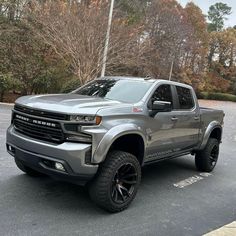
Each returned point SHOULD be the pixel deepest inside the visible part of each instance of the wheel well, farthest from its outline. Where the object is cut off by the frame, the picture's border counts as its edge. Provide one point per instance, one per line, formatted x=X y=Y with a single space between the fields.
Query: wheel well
x=131 y=143
x=216 y=133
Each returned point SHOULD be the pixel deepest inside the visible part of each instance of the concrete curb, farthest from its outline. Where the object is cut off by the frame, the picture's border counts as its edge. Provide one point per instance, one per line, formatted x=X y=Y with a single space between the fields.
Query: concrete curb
x=6 y=104
x=226 y=230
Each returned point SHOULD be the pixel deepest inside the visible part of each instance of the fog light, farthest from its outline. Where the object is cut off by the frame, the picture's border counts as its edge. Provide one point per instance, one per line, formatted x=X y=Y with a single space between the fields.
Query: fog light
x=11 y=149
x=59 y=166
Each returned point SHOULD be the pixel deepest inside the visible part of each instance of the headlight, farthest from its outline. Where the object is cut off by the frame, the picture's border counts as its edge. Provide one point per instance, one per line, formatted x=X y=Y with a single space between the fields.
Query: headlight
x=90 y=120
x=73 y=134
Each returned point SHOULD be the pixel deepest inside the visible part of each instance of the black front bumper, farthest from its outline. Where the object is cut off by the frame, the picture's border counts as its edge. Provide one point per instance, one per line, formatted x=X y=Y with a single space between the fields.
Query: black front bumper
x=45 y=165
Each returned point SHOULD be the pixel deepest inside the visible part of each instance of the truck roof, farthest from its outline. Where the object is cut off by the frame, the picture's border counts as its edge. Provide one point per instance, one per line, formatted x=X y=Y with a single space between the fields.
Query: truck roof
x=149 y=79
x=146 y=79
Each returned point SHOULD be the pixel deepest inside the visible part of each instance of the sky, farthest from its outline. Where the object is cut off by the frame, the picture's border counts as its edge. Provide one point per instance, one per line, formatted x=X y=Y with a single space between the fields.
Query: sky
x=205 y=4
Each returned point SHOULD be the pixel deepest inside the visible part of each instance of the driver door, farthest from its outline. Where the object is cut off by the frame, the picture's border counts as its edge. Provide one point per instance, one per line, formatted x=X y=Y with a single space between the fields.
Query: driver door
x=161 y=132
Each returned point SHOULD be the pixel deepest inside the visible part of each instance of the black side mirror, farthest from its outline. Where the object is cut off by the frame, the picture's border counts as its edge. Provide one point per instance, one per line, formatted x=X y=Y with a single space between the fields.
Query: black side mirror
x=161 y=106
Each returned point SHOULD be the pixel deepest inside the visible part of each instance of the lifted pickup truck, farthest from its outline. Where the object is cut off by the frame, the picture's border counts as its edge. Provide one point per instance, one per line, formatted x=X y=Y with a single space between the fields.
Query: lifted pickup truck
x=104 y=132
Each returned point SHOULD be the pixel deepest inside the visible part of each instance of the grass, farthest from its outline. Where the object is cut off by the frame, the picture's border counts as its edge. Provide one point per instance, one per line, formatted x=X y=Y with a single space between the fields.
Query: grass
x=217 y=96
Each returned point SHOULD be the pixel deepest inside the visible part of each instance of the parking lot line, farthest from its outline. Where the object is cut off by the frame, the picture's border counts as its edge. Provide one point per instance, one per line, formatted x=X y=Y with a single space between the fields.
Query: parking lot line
x=191 y=180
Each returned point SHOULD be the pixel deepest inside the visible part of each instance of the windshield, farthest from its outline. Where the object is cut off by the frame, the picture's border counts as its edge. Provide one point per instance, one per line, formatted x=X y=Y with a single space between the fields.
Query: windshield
x=129 y=91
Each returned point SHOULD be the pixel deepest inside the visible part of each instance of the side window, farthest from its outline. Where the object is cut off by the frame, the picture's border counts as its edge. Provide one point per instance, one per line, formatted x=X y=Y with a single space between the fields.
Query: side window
x=185 y=98
x=163 y=93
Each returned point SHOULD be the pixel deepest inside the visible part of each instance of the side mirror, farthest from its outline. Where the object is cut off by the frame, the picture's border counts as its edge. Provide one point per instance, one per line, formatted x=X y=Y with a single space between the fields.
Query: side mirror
x=161 y=106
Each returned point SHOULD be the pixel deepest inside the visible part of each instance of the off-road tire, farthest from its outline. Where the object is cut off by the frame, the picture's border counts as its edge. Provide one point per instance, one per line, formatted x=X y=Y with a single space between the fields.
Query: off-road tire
x=27 y=169
x=206 y=159
x=103 y=189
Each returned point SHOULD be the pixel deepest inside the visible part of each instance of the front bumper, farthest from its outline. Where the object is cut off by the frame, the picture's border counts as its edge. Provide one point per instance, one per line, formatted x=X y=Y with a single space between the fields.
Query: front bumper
x=35 y=153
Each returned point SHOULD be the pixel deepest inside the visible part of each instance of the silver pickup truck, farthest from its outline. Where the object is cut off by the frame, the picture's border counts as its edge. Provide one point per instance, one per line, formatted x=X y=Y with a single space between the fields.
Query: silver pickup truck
x=104 y=132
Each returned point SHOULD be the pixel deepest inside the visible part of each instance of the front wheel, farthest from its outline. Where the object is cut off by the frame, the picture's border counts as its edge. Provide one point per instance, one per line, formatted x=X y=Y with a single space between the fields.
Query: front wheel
x=206 y=159
x=117 y=182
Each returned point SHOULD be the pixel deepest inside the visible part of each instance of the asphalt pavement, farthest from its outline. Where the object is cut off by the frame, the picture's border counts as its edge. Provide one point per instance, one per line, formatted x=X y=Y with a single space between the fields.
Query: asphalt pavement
x=173 y=199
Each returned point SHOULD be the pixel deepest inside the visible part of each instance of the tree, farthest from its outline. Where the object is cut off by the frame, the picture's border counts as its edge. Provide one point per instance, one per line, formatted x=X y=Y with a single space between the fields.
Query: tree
x=78 y=35
x=133 y=10
x=34 y=65
x=50 y=46
x=195 y=57
x=217 y=14
x=168 y=33
x=213 y=82
x=223 y=57
x=6 y=83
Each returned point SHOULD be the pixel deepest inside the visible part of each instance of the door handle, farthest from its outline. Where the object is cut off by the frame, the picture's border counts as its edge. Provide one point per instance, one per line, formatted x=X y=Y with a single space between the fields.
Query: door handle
x=174 y=118
x=196 y=118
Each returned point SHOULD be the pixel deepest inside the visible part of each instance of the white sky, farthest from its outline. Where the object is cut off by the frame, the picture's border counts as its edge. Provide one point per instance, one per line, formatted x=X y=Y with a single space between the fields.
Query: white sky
x=205 y=4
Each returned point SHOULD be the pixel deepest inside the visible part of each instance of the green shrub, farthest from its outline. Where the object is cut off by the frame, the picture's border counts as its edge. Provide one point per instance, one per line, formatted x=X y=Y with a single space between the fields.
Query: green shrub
x=217 y=96
x=7 y=82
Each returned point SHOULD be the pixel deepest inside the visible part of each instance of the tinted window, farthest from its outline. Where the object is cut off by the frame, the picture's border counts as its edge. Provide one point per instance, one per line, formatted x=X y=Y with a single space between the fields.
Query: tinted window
x=185 y=98
x=163 y=93
x=124 y=90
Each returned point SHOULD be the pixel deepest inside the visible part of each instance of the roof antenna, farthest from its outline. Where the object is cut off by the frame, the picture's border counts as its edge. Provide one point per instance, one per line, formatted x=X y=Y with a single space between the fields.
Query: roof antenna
x=148 y=77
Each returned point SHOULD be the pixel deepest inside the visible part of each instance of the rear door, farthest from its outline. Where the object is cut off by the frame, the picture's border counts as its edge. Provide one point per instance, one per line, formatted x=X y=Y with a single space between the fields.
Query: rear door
x=186 y=119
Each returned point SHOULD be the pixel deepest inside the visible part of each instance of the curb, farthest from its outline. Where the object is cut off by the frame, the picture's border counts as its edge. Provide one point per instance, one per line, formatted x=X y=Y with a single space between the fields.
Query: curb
x=6 y=104
x=226 y=230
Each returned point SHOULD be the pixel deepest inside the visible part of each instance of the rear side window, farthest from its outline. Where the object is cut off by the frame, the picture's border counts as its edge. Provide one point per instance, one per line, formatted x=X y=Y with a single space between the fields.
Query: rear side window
x=185 y=98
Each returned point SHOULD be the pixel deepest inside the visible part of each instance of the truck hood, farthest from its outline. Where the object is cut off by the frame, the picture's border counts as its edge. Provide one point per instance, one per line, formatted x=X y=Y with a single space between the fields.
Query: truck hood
x=67 y=103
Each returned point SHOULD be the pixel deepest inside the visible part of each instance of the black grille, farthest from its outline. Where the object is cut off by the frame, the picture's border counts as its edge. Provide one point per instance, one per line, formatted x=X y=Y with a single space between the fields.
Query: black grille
x=38 y=128
x=41 y=113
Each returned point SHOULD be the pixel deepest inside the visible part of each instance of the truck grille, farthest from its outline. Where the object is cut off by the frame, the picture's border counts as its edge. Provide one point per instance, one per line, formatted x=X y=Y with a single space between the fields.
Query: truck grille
x=41 y=113
x=38 y=128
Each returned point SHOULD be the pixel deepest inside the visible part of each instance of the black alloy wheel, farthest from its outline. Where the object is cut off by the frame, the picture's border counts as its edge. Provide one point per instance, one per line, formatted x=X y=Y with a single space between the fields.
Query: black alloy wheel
x=123 y=183
x=214 y=155
x=117 y=181
x=206 y=159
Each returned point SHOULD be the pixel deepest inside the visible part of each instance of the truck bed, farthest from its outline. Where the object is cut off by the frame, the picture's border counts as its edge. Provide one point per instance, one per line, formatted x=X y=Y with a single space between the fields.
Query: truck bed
x=209 y=115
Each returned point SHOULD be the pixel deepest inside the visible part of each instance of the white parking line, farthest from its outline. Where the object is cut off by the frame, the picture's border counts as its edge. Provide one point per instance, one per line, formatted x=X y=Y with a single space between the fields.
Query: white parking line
x=191 y=180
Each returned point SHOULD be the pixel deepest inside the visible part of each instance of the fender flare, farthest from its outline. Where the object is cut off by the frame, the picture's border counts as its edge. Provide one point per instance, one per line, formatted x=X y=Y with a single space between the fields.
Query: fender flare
x=111 y=136
x=213 y=125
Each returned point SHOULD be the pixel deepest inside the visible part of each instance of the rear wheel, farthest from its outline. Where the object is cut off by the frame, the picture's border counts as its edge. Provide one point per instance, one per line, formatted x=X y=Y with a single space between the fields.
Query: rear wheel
x=27 y=169
x=206 y=159
x=117 y=182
